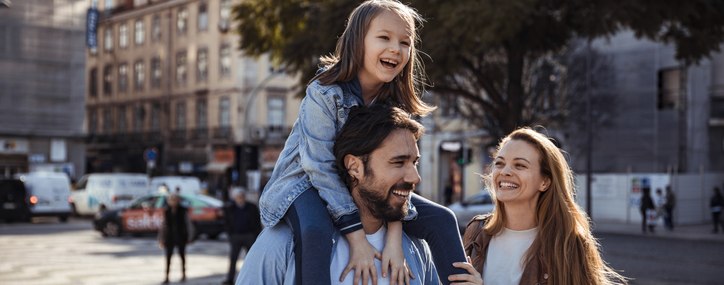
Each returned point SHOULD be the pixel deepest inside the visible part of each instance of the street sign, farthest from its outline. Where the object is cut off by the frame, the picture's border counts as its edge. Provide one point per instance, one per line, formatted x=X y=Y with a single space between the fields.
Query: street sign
x=150 y=154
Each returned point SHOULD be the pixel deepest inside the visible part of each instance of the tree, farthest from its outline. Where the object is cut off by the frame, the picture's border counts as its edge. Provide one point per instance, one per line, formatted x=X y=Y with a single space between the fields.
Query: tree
x=490 y=53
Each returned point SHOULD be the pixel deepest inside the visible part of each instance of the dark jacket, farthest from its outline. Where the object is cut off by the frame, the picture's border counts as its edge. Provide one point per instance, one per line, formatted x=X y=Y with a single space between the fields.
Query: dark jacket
x=244 y=220
x=646 y=203
x=476 y=243
x=176 y=228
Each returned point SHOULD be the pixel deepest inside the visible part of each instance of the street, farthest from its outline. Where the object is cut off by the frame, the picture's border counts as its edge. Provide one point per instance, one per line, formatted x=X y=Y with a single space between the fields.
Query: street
x=48 y=252
x=662 y=261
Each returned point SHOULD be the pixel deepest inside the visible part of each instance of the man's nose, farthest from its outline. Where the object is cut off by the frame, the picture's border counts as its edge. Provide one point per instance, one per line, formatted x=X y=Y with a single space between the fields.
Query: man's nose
x=412 y=176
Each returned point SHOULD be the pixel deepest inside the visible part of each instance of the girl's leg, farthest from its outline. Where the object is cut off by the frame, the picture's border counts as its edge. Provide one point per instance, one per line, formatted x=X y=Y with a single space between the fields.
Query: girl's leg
x=438 y=226
x=182 y=253
x=313 y=231
x=169 y=253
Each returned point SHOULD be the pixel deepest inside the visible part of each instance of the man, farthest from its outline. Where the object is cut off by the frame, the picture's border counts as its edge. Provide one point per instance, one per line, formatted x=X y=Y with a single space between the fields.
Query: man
x=669 y=208
x=376 y=155
x=243 y=225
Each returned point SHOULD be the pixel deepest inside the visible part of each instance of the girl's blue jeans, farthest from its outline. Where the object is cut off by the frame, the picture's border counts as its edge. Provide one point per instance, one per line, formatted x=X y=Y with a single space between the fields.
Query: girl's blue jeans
x=313 y=230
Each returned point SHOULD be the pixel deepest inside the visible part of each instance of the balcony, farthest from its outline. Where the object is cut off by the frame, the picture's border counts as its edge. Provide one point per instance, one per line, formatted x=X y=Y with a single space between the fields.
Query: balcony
x=221 y=133
x=179 y=135
x=200 y=134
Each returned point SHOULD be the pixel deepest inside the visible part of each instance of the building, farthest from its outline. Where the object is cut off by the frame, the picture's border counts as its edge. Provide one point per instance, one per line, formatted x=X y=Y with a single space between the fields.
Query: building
x=42 y=63
x=668 y=116
x=169 y=93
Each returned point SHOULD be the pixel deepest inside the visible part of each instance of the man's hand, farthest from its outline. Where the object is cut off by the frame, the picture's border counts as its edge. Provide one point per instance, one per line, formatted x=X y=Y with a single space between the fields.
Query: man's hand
x=361 y=259
x=393 y=258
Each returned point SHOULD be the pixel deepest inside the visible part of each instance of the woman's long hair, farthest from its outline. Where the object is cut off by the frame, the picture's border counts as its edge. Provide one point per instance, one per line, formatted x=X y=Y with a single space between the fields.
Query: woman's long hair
x=564 y=241
x=405 y=90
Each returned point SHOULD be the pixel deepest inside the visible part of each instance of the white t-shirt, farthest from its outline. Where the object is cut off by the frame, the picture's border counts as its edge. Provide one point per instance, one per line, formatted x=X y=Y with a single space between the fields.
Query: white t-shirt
x=340 y=259
x=504 y=262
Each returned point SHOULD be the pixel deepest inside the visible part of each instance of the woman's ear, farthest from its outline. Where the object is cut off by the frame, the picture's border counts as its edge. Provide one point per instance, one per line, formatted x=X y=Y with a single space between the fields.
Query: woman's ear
x=354 y=166
x=546 y=183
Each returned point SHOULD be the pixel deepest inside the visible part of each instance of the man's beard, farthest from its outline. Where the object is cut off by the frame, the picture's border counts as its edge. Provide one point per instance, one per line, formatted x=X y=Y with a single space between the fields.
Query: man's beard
x=378 y=204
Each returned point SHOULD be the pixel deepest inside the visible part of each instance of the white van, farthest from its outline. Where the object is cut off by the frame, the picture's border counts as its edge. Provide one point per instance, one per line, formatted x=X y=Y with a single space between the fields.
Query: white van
x=47 y=194
x=98 y=192
x=188 y=185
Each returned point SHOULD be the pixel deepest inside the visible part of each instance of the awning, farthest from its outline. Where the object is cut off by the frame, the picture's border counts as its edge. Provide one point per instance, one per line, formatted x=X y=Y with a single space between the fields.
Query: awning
x=217 y=167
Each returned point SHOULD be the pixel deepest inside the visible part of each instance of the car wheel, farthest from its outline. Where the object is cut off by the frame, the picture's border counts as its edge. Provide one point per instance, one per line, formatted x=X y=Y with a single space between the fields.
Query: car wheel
x=111 y=229
x=63 y=218
x=213 y=236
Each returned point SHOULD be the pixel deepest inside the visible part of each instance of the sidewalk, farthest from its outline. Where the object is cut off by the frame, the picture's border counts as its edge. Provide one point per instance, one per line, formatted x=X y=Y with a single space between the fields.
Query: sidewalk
x=701 y=232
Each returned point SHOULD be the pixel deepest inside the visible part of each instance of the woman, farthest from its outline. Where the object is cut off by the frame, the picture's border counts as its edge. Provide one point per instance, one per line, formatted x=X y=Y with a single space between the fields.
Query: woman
x=175 y=232
x=536 y=234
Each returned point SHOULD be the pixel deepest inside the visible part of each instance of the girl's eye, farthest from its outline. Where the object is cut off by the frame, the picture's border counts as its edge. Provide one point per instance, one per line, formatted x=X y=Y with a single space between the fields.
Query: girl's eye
x=405 y=43
x=498 y=163
x=384 y=37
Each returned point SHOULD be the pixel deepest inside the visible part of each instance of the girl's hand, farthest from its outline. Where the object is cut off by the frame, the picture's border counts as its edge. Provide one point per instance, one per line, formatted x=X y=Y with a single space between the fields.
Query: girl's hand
x=472 y=278
x=361 y=259
x=393 y=258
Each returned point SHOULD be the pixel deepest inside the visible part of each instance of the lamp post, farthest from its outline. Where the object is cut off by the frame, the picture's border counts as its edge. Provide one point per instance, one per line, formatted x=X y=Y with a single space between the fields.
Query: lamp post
x=245 y=151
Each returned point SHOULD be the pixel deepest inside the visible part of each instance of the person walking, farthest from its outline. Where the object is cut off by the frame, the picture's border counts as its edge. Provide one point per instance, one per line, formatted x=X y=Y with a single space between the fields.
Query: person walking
x=243 y=225
x=647 y=209
x=715 y=205
x=669 y=208
x=175 y=233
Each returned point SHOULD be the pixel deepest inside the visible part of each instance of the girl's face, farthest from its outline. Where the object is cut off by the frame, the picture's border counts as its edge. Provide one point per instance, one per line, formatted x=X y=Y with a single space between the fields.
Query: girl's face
x=387 y=46
x=517 y=174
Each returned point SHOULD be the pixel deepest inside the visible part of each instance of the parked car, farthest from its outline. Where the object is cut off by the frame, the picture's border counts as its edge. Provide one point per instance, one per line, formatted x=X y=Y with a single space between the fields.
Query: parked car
x=13 y=201
x=477 y=204
x=145 y=215
x=48 y=194
x=99 y=192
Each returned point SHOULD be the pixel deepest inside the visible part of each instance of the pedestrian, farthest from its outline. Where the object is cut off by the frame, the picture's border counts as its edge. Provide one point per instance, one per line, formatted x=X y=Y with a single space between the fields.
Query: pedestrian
x=536 y=234
x=175 y=232
x=243 y=225
x=647 y=210
x=375 y=62
x=715 y=205
x=669 y=208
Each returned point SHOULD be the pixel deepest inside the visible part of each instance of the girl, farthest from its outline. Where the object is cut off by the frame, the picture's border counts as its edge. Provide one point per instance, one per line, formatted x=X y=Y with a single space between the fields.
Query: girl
x=375 y=62
x=536 y=234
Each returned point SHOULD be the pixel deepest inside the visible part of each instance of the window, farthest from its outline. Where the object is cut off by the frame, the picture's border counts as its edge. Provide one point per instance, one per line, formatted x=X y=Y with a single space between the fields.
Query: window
x=275 y=110
x=224 y=15
x=123 y=35
x=139 y=75
x=181 y=115
x=156 y=72
x=225 y=60
x=181 y=68
x=108 y=5
x=138 y=117
x=107 y=120
x=224 y=114
x=139 y=33
x=108 y=38
x=201 y=114
x=203 y=18
x=202 y=65
x=107 y=79
x=93 y=82
x=181 y=21
x=122 y=77
x=122 y=127
x=92 y=121
x=155 y=116
x=669 y=88
x=156 y=28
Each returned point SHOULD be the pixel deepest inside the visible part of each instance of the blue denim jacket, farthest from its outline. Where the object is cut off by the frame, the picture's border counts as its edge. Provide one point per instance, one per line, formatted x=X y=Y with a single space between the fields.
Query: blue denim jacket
x=270 y=260
x=307 y=160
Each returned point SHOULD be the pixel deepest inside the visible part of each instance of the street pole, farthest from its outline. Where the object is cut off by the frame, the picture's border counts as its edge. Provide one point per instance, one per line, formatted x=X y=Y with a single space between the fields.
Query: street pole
x=589 y=134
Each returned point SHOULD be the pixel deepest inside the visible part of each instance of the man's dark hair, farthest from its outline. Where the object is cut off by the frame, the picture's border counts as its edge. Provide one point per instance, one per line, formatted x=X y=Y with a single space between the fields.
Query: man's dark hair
x=366 y=129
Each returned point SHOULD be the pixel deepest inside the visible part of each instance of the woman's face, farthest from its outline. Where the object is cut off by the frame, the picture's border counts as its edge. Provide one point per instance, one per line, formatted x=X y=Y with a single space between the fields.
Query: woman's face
x=517 y=175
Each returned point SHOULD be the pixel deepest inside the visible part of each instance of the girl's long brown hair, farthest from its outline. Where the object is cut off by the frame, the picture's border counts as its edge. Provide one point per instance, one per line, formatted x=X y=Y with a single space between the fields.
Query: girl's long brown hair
x=405 y=90
x=564 y=241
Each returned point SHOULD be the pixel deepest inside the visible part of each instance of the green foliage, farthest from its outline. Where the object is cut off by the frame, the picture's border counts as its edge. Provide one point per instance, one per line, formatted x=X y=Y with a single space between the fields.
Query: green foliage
x=487 y=53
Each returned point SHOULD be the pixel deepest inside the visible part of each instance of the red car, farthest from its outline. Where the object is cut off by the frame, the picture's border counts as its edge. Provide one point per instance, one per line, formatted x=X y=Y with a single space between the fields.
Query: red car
x=145 y=215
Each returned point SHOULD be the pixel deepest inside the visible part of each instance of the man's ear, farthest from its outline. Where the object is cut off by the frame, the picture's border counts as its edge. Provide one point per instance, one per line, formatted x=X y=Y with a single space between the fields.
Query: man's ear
x=354 y=166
